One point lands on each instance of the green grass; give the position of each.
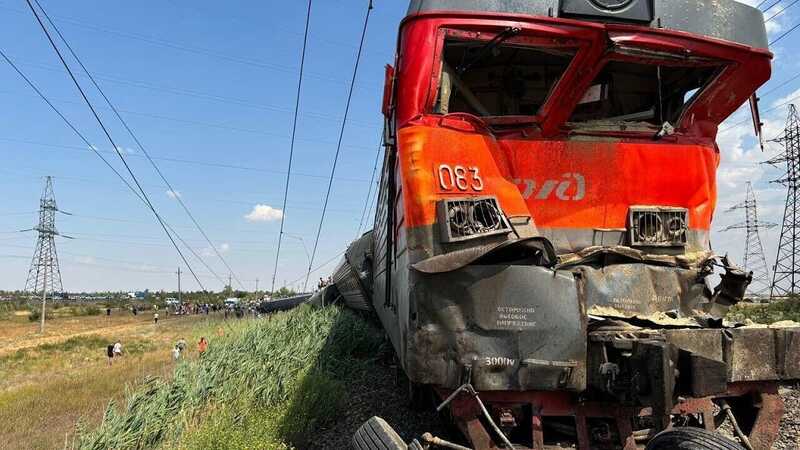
(92, 343)
(766, 313)
(266, 385)
(58, 311)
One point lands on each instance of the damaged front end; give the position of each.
(606, 325)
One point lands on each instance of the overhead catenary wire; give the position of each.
(144, 150)
(230, 58)
(781, 11)
(784, 34)
(371, 180)
(111, 140)
(191, 93)
(291, 144)
(339, 144)
(82, 137)
(772, 5)
(185, 161)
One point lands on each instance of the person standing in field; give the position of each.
(202, 346)
(118, 349)
(155, 318)
(110, 354)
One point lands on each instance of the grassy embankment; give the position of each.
(50, 382)
(268, 384)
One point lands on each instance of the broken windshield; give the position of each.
(498, 79)
(638, 92)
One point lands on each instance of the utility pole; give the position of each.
(256, 286)
(786, 272)
(230, 284)
(180, 301)
(754, 259)
(44, 274)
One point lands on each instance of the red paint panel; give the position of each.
(600, 181)
(564, 184)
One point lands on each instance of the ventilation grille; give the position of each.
(470, 218)
(658, 227)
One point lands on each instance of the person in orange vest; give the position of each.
(202, 346)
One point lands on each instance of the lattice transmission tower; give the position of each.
(45, 275)
(786, 272)
(754, 259)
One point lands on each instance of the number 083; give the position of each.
(460, 178)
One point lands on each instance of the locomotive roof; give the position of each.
(722, 19)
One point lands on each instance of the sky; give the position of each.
(209, 89)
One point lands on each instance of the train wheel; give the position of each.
(686, 438)
(376, 434)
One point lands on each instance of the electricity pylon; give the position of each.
(45, 275)
(754, 259)
(786, 272)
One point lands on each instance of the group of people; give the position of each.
(180, 347)
(323, 282)
(113, 351)
(193, 308)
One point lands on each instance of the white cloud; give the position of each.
(264, 213)
(173, 194)
(85, 260)
(222, 248)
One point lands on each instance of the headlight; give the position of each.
(657, 226)
(462, 219)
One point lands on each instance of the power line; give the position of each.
(734, 125)
(291, 145)
(186, 161)
(784, 83)
(240, 201)
(781, 11)
(371, 180)
(110, 139)
(192, 93)
(339, 144)
(79, 134)
(770, 6)
(141, 147)
(777, 39)
(196, 50)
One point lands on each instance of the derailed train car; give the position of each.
(541, 252)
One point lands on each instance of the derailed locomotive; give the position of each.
(541, 253)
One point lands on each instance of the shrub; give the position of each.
(266, 384)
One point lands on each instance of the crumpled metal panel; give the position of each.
(789, 352)
(639, 290)
(513, 327)
(751, 353)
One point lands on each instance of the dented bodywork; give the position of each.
(542, 224)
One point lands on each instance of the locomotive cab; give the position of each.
(543, 217)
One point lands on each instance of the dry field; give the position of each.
(50, 382)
